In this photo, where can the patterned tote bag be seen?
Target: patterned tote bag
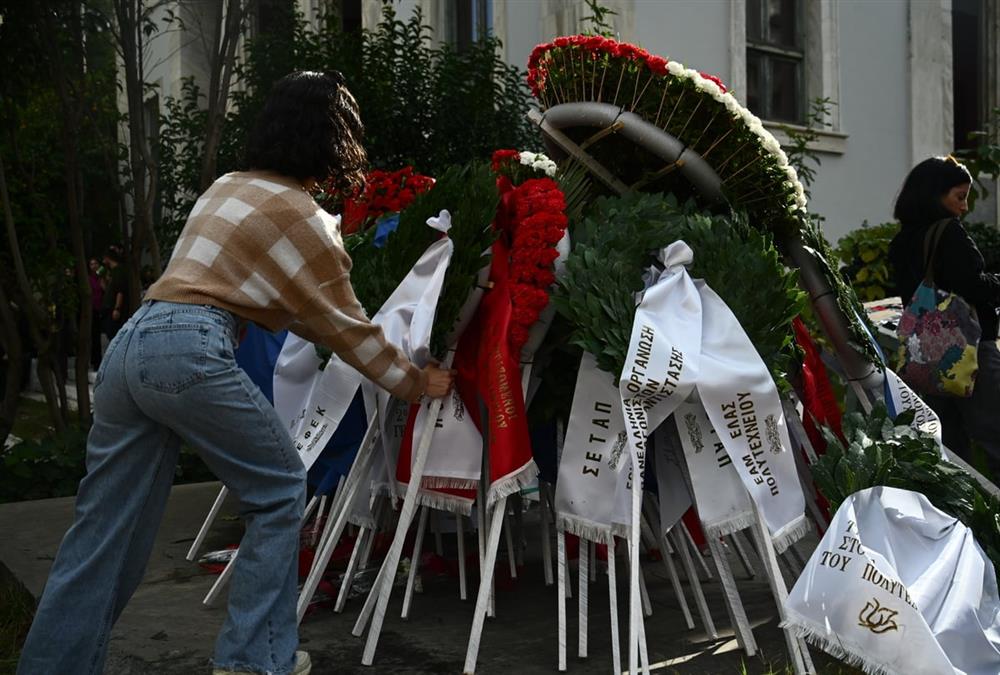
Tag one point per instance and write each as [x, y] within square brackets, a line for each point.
[938, 334]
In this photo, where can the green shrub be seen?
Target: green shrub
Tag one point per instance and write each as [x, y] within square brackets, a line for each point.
[987, 238]
[53, 467]
[423, 103]
[49, 467]
[864, 254]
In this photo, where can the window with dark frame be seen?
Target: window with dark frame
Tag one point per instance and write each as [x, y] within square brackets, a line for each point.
[350, 15]
[776, 60]
[471, 21]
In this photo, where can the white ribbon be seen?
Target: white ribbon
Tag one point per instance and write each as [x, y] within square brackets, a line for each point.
[742, 403]
[316, 402]
[455, 457]
[407, 318]
[723, 503]
[904, 398]
[295, 375]
[594, 446]
[898, 587]
[661, 366]
[661, 369]
[303, 398]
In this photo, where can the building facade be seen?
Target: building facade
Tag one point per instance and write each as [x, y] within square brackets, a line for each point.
[906, 79]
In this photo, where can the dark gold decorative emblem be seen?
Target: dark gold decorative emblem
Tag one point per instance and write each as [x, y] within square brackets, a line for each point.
[876, 618]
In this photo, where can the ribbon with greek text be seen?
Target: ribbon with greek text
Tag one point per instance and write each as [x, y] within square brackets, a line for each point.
[661, 369]
[903, 398]
[722, 502]
[898, 587]
[594, 446]
[742, 403]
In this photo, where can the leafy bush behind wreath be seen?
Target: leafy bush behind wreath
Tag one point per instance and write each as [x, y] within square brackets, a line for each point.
[864, 254]
[423, 104]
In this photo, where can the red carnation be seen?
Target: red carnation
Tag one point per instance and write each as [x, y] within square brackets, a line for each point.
[502, 157]
[715, 79]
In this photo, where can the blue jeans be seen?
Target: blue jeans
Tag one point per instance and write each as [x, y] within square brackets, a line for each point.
[170, 376]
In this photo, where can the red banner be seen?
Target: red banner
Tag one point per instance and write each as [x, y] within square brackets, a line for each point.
[499, 383]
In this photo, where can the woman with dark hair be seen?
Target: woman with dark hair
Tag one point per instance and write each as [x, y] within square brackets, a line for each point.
[256, 247]
[936, 190]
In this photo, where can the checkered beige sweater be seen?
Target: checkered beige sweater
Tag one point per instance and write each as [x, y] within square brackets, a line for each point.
[259, 246]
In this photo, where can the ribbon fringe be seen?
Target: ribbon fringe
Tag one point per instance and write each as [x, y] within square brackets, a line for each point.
[834, 646]
[446, 483]
[791, 533]
[584, 529]
[440, 501]
[621, 531]
[729, 526]
[512, 482]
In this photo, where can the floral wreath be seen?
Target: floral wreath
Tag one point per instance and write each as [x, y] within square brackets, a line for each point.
[694, 107]
[534, 223]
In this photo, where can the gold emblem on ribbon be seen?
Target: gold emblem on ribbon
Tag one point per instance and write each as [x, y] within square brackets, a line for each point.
[876, 618]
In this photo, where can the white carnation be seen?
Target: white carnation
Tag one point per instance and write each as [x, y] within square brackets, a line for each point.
[675, 68]
[527, 158]
[542, 164]
[732, 105]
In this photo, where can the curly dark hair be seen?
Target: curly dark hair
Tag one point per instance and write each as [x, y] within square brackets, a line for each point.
[310, 127]
[919, 199]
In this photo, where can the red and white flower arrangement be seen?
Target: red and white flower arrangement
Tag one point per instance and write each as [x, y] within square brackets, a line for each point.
[695, 107]
[534, 223]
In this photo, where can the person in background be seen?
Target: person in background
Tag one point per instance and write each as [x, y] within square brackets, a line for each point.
[256, 247]
[937, 189]
[115, 299]
[96, 304]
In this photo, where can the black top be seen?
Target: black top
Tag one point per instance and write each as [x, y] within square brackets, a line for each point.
[958, 268]
[117, 283]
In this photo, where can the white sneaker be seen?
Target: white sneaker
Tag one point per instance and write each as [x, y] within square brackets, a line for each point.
[303, 666]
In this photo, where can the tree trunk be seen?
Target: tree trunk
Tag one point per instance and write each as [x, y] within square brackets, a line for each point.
[15, 363]
[129, 15]
[39, 324]
[66, 68]
[47, 380]
[226, 37]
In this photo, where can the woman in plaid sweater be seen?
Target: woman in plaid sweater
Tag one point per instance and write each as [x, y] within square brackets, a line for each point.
[256, 247]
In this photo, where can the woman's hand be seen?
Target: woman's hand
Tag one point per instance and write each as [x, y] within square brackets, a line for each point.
[439, 381]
